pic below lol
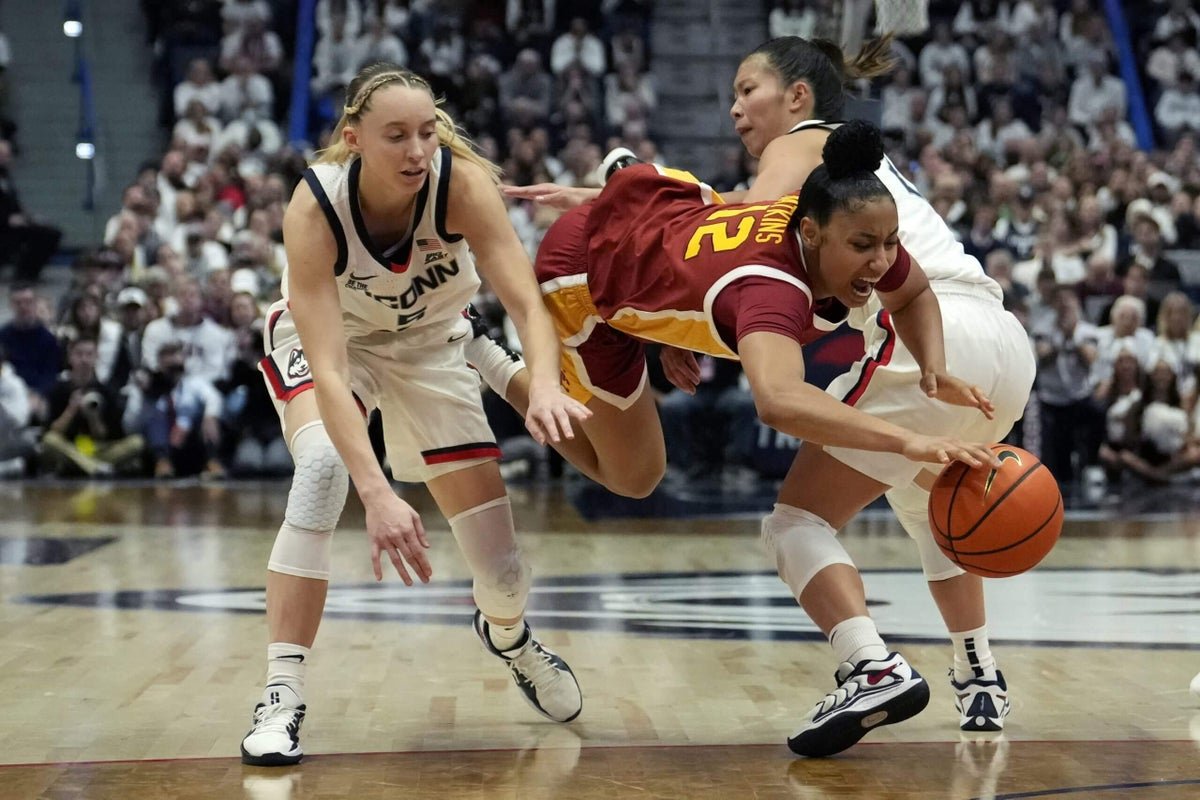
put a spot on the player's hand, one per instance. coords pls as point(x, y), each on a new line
point(396, 529)
point(548, 419)
point(956, 392)
point(944, 449)
point(681, 368)
point(551, 194)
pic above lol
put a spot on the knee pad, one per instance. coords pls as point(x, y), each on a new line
point(319, 487)
point(802, 544)
point(911, 506)
point(488, 542)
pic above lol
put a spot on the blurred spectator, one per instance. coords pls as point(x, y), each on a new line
point(236, 13)
point(197, 127)
point(32, 349)
point(198, 85)
point(1171, 61)
point(1155, 445)
point(701, 426)
point(349, 12)
point(1126, 331)
point(1094, 91)
point(1147, 224)
point(530, 23)
point(1116, 397)
point(896, 100)
point(628, 95)
point(335, 60)
point(1177, 344)
point(940, 54)
point(397, 16)
point(1096, 237)
point(249, 412)
point(1019, 230)
point(1178, 109)
point(953, 90)
point(526, 90)
point(178, 416)
point(998, 264)
point(84, 433)
point(26, 241)
point(132, 316)
point(378, 43)
point(255, 42)
point(1066, 349)
point(1032, 15)
point(1099, 287)
point(245, 91)
point(207, 347)
point(628, 47)
point(578, 46)
point(1000, 129)
point(15, 444)
point(85, 320)
point(1181, 16)
point(444, 54)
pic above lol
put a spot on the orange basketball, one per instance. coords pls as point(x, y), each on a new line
point(996, 522)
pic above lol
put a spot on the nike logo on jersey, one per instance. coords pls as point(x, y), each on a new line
point(404, 320)
point(354, 277)
point(456, 338)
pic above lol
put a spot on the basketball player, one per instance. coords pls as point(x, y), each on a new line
point(783, 90)
point(380, 238)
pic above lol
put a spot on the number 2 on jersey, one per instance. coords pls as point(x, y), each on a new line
point(718, 233)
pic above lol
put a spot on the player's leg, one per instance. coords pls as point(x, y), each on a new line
point(436, 432)
point(981, 693)
point(875, 687)
point(298, 567)
point(475, 503)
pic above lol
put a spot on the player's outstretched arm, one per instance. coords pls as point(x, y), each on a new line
point(553, 195)
point(774, 366)
point(477, 211)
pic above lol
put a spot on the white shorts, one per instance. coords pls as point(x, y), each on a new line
point(985, 346)
point(433, 420)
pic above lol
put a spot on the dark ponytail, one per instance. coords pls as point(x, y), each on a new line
point(823, 66)
point(847, 177)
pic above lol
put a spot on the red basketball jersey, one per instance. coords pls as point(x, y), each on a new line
point(660, 254)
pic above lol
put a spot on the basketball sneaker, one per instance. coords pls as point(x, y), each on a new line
point(545, 680)
point(982, 703)
point(871, 694)
point(274, 738)
point(618, 158)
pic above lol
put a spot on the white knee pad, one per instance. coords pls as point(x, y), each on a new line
point(318, 493)
point(488, 541)
point(802, 543)
point(911, 504)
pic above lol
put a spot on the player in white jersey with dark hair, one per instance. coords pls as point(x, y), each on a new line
point(788, 86)
point(382, 236)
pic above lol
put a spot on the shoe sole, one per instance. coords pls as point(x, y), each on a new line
point(270, 759)
point(845, 730)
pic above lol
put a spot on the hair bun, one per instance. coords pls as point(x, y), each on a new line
point(855, 148)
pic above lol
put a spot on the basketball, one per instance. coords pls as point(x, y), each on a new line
point(996, 522)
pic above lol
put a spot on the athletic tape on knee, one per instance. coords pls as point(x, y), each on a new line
point(911, 506)
point(802, 543)
point(319, 487)
point(488, 541)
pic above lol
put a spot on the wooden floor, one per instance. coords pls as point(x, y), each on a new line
point(132, 651)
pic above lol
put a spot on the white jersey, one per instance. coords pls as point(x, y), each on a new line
point(926, 236)
point(427, 277)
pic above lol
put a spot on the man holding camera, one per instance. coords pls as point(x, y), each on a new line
point(84, 434)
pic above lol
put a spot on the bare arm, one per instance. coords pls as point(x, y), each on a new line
point(918, 319)
point(317, 310)
point(774, 366)
point(785, 165)
point(477, 212)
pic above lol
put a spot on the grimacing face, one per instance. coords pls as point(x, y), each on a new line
point(854, 249)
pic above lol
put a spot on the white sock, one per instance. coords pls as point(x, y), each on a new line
point(286, 664)
point(506, 637)
point(972, 655)
point(856, 639)
point(495, 364)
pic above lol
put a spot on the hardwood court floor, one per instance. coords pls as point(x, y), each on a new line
point(131, 653)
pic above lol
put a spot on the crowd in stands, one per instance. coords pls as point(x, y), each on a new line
point(1010, 117)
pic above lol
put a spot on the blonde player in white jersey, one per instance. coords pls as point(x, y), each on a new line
point(787, 86)
point(382, 236)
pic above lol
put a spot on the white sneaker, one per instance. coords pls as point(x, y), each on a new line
point(869, 695)
point(617, 158)
point(545, 680)
point(274, 738)
point(983, 704)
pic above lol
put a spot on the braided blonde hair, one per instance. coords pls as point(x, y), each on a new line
point(358, 103)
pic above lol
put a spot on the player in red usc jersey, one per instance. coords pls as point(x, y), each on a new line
point(653, 260)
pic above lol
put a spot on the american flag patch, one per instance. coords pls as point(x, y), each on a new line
point(428, 245)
